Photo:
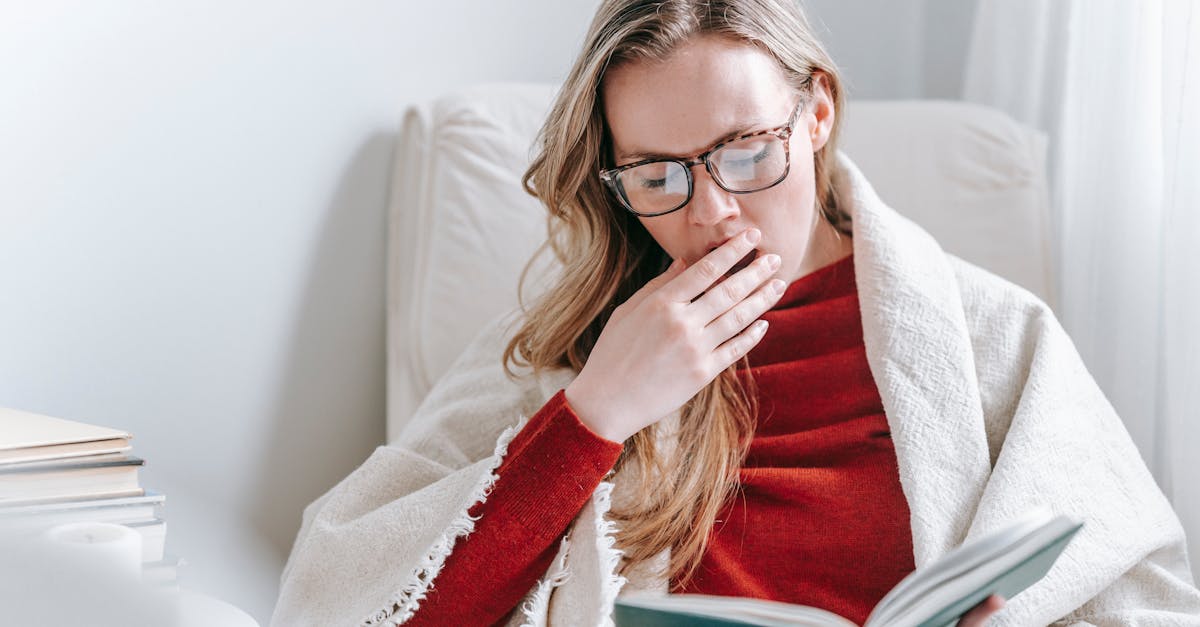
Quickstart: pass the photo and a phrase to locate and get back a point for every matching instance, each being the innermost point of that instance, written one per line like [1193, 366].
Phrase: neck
[825, 246]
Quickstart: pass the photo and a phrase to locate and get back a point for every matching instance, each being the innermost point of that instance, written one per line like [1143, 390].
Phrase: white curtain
[1116, 86]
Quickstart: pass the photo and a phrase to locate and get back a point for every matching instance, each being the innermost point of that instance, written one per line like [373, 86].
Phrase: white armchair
[461, 228]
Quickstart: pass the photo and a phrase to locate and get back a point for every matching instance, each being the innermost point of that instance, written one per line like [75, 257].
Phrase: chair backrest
[461, 227]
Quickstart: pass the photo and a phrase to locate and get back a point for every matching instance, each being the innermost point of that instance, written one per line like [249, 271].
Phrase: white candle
[93, 548]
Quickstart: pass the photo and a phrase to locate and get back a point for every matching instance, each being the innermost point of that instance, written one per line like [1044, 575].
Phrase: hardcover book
[111, 474]
[25, 437]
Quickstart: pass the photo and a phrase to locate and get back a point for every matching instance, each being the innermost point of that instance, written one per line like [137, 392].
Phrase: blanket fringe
[610, 556]
[535, 609]
[403, 604]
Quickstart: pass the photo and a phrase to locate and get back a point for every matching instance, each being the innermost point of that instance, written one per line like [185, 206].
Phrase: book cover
[25, 471]
[27, 436]
[120, 510]
[37, 481]
[150, 499]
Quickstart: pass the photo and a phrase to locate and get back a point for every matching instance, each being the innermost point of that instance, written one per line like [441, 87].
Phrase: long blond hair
[607, 255]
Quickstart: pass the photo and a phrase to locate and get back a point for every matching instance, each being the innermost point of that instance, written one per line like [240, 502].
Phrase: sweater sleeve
[552, 467]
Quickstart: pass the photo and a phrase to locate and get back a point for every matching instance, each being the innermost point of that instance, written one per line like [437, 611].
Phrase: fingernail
[777, 286]
[773, 261]
[752, 235]
[760, 326]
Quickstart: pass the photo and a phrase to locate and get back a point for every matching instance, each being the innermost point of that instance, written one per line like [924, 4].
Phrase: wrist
[590, 414]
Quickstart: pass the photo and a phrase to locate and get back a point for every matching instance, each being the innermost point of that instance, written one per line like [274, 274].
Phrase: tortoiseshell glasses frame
[612, 177]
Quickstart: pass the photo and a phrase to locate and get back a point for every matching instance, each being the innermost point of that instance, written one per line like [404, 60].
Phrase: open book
[1004, 562]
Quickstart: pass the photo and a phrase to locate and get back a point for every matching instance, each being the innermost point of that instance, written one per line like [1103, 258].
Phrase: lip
[757, 251]
[715, 244]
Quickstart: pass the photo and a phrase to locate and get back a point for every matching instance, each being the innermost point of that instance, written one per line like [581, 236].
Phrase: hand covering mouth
[743, 262]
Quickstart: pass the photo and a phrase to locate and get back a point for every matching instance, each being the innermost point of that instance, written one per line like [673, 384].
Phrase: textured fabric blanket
[991, 411]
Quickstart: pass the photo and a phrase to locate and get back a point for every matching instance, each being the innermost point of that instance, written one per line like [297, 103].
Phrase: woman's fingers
[739, 345]
[700, 276]
[725, 297]
[746, 311]
[979, 615]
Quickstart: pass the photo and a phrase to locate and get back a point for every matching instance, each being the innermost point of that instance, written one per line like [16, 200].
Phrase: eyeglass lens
[745, 165]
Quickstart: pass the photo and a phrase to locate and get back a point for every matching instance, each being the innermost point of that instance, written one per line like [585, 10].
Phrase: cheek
[669, 231]
[789, 204]
[800, 186]
[801, 174]
[786, 212]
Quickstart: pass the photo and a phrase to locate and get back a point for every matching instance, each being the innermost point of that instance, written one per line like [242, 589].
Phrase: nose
[710, 204]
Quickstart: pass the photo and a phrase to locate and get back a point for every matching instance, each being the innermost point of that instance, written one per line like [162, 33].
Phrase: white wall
[192, 234]
[192, 224]
[897, 49]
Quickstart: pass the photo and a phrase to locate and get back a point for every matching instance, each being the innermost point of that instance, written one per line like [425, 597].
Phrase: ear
[820, 113]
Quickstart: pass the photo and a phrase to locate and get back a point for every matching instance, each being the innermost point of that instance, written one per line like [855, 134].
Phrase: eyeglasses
[745, 164]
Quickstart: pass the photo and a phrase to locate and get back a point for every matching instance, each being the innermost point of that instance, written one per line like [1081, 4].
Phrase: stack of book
[55, 471]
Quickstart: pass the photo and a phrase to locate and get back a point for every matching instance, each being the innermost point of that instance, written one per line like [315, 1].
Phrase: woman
[901, 402]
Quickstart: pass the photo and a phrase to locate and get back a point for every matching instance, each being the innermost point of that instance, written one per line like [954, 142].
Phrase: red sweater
[820, 519]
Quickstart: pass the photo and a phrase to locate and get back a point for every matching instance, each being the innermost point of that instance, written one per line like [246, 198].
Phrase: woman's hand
[979, 615]
[660, 348]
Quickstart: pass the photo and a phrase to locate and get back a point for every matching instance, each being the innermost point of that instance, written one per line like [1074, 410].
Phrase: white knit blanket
[991, 411]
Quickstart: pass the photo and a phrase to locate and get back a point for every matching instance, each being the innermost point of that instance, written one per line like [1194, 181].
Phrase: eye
[657, 177]
[652, 184]
[760, 155]
[742, 157]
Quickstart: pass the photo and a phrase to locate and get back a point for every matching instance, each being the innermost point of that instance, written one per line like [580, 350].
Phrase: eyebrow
[736, 132]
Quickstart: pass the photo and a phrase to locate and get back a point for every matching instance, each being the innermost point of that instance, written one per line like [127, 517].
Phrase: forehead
[707, 89]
